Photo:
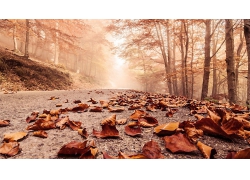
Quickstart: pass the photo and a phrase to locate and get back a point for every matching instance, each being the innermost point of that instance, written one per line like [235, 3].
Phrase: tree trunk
[206, 74]
[230, 61]
[169, 58]
[26, 51]
[175, 85]
[247, 37]
[237, 61]
[14, 38]
[182, 61]
[185, 59]
[56, 55]
[214, 58]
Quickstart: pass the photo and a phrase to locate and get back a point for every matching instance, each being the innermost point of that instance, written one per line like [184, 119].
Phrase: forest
[195, 58]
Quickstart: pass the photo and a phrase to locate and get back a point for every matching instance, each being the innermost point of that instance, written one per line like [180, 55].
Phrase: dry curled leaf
[80, 108]
[152, 150]
[83, 132]
[74, 148]
[137, 114]
[95, 109]
[214, 116]
[41, 124]
[58, 105]
[206, 151]
[33, 117]
[242, 154]
[166, 129]
[40, 133]
[14, 136]
[178, 143]
[133, 130]
[121, 121]
[4, 123]
[111, 120]
[107, 131]
[145, 124]
[61, 123]
[148, 119]
[10, 148]
[151, 108]
[116, 109]
[134, 106]
[104, 104]
[74, 125]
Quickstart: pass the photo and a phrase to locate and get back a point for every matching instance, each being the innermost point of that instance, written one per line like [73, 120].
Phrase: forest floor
[18, 73]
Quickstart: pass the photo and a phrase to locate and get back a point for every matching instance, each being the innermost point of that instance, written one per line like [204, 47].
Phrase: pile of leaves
[224, 121]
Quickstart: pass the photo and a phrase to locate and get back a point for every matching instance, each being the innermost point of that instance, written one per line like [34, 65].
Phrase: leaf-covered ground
[118, 124]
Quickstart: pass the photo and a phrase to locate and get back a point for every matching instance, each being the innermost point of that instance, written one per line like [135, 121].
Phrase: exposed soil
[16, 107]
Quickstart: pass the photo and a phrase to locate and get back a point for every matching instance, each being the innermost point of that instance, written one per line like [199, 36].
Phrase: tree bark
[247, 37]
[175, 84]
[214, 59]
[14, 38]
[26, 51]
[230, 61]
[206, 74]
[56, 55]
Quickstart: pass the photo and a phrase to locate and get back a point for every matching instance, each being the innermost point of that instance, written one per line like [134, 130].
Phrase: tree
[247, 37]
[26, 52]
[230, 60]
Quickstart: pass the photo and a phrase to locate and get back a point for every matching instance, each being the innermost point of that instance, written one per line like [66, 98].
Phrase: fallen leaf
[33, 117]
[148, 119]
[242, 154]
[77, 101]
[4, 123]
[121, 121]
[10, 148]
[145, 124]
[152, 150]
[111, 120]
[192, 133]
[14, 136]
[178, 143]
[137, 114]
[234, 128]
[166, 129]
[116, 109]
[41, 124]
[95, 109]
[74, 125]
[208, 126]
[107, 156]
[80, 108]
[151, 108]
[58, 105]
[83, 132]
[55, 112]
[133, 130]
[206, 151]
[107, 131]
[214, 116]
[104, 104]
[40, 133]
[74, 148]
[134, 106]
[61, 123]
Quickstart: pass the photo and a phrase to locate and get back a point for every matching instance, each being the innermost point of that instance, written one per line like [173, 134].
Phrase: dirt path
[16, 107]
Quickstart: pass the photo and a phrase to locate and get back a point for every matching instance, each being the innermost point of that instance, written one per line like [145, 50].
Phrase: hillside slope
[18, 73]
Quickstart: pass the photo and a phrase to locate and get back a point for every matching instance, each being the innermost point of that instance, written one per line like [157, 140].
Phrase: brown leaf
[104, 104]
[61, 123]
[107, 156]
[134, 106]
[151, 108]
[33, 117]
[214, 116]
[58, 105]
[55, 112]
[148, 119]
[41, 116]
[199, 117]
[121, 121]
[234, 128]
[243, 154]
[89, 153]
[138, 156]
[40, 133]
[4, 123]
[41, 124]
[74, 125]
[178, 143]
[10, 148]
[14, 136]
[92, 101]
[137, 114]
[111, 120]
[83, 132]
[206, 151]
[152, 150]
[116, 109]
[74, 148]
[192, 133]
[133, 130]
[145, 124]
[210, 127]
[80, 108]
[107, 131]
[166, 129]
[95, 109]
[77, 101]
[92, 143]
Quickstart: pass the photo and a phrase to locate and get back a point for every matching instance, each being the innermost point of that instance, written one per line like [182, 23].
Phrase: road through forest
[17, 107]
